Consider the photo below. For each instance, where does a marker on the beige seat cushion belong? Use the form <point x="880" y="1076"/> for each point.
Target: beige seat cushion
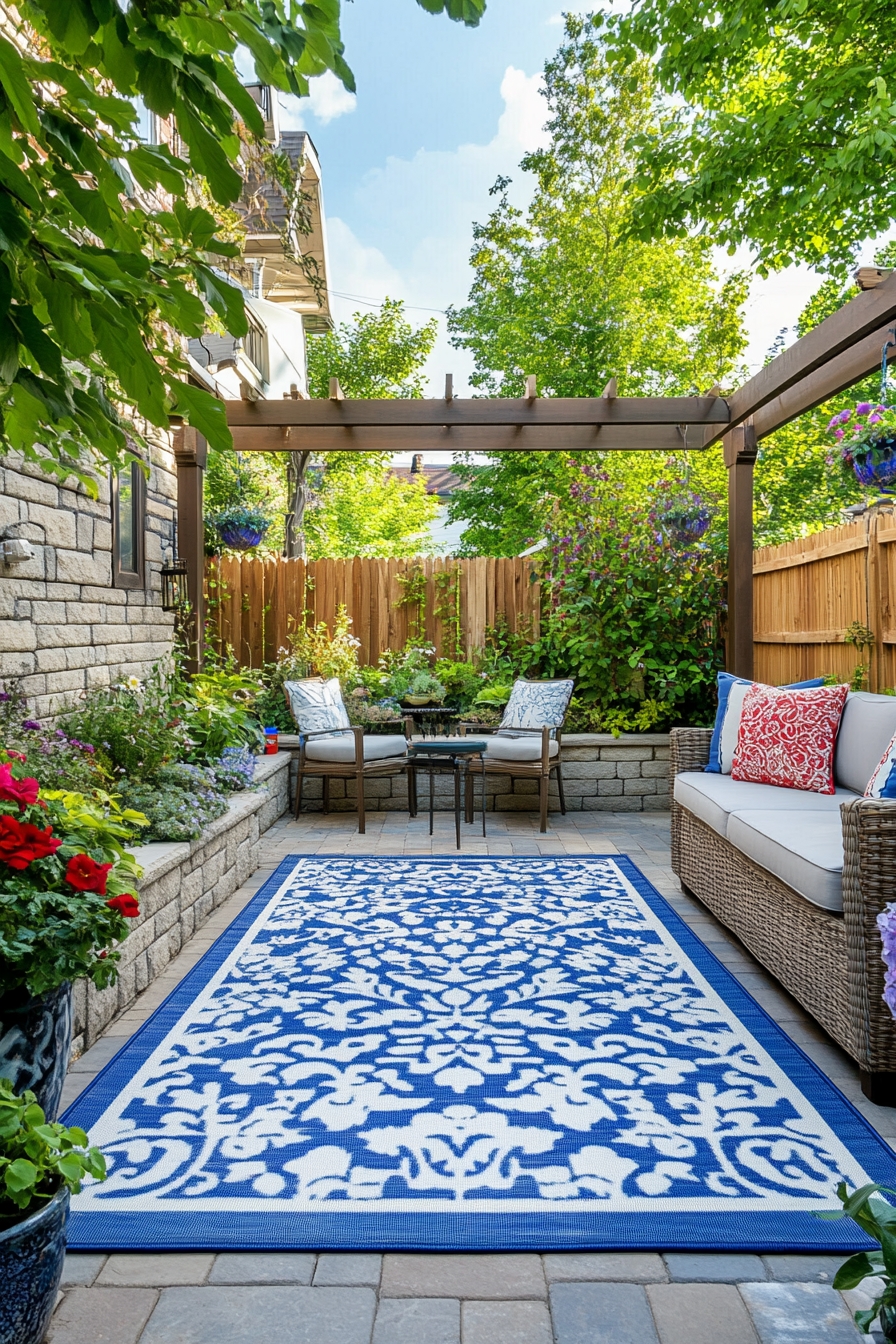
<point x="713" y="798"/>
<point x="341" y="749"/>
<point x="518" y="748"/>
<point x="803" y="849"/>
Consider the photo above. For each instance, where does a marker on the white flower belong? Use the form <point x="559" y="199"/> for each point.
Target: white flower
<point x="132" y="684"/>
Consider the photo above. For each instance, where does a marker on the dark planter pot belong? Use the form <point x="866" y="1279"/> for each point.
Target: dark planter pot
<point x="881" y="473"/>
<point x="240" y="536"/>
<point x="888" y="1322"/>
<point x="36" y="1042"/>
<point x="687" y="527"/>
<point x="31" y="1257"/>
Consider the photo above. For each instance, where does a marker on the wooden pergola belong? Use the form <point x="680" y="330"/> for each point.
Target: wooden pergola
<point x="841" y="350"/>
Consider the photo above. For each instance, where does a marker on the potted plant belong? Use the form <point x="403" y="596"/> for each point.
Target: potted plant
<point x="686" y="518"/>
<point x="877" y="1218"/>
<point x="241" y="526"/>
<point x="424" y="689"/>
<point x="41" y="1164"/>
<point x="867" y="438"/>
<point x="67" y="891"/>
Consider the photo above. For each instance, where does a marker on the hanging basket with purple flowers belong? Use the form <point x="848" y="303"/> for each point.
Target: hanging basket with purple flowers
<point x="867" y="437"/>
<point x="241" y="527"/>
<point x="686" y="521"/>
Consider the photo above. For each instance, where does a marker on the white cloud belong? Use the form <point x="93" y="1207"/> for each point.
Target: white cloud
<point x="327" y="100"/>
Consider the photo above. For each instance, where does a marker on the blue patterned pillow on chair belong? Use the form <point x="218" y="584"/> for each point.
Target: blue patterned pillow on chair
<point x="316" y="704"/>
<point x="537" y="704"/>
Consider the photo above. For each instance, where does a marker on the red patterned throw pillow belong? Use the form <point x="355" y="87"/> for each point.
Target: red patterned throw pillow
<point x="787" y="737"/>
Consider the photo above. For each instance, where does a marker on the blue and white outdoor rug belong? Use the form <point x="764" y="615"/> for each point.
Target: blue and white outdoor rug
<point x="451" y="1053"/>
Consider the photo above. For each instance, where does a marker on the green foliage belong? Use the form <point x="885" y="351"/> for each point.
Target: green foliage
<point x="632" y="615"/>
<point x="179" y="803"/>
<point x="105" y="254"/>
<point x="398" y="670"/>
<point x="377" y="354"/>
<point x="36" y="1158"/>
<point x="564" y="293"/>
<point x="132" y="725"/>
<point x="779" y="130"/>
<point x="877" y="1219"/>
<point x="361" y="509"/>
<point x="462" y="680"/>
<point x="50" y="930"/>
<point x="217" y="712"/>
<point x="425" y="683"/>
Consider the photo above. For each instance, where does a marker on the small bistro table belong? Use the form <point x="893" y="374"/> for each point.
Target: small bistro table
<point x="440" y="756"/>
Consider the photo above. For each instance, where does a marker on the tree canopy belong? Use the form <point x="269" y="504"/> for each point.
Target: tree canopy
<point x="563" y="292"/>
<point x="106" y="244"/>
<point x="780" y="125"/>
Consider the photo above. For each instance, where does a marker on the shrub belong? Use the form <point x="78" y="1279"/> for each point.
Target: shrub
<point x="179" y="803"/>
<point x="36" y="1158"/>
<point x="217" y="712"/>
<point x="134" y="726"/>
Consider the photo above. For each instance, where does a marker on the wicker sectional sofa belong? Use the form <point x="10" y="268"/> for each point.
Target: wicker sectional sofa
<point x="800" y="878"/>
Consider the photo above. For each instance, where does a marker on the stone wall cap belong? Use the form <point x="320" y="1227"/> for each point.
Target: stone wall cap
<point x="609" y="740"/>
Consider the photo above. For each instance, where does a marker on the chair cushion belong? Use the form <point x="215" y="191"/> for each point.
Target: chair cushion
<point x="788" y="737"/>
<point x="713" y="798"/>
<point x="341" y="749"/>
<point x="537" y="704"/>
<point x="316" y="704"/>
<point x="728" y="712"/>
<point x="803" y="849"/>
<point x="518" y="748"/>
<point x="867" y="726"/>
<point x="882" y="783"/>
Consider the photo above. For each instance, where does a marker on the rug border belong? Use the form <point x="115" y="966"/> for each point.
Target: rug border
<point x="553" y="1231"/>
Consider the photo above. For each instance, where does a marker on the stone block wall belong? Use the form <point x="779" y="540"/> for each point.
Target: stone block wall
<point x="181" y="885"/>
<point x="63" y="626"/>
<point x="601" y="773"/>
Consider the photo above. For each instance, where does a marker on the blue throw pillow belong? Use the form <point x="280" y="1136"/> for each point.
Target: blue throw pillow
<point x="725" y="681"/>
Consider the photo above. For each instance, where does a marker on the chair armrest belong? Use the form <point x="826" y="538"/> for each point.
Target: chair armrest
<point x="689" y="749"/>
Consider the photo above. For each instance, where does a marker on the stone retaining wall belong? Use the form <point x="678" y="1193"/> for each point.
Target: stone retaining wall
<point x="182" y="884"/>
<point x="601" y="773"/>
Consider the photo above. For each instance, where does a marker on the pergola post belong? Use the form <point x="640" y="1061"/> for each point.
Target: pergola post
<point x="740" y="454"/>
<point x="191" y="455"/>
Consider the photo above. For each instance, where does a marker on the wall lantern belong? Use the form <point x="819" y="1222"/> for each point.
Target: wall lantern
<point x="175" y="596"/>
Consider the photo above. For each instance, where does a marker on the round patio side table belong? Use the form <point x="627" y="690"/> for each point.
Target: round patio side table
<point x="441" y="757"/>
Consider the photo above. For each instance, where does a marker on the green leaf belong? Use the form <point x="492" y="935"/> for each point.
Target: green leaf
<point x="20" y="1174"/>
<point x="17" y="89"/>
<point x="225" y="299"/>
<point x="208" y="158"/>
<point x="204" y="412"/>
<point x="853" y="1271"/>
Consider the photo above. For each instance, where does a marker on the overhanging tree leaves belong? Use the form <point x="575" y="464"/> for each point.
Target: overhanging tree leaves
<point x="97" y="278"/>
<point x="781" y="127"/>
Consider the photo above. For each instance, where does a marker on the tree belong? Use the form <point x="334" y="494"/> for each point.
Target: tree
<point x="563" y="292"/>
<point x="354" y="507"/>
<point x="780" y="130"/>
<point x="105" y="250"/>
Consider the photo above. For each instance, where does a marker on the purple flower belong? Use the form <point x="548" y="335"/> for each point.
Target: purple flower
<point x="844" y="416"/>
<point x="32" y="725"/>
<point x="89" y="748"/>
<point x="874" y="419"/>
<point x="60" y="734"/>
<point x="4" y="696"/>
<point x="839" y="433"/>
<point x="863" y="408"/>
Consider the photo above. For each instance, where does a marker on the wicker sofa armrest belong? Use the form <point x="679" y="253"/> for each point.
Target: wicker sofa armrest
<point x="689" y="749"/>
<point x="869" y="882"/>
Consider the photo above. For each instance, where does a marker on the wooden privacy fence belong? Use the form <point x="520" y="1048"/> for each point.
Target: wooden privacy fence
<point x="255" y="604"/>
<point x="806" y="593"/>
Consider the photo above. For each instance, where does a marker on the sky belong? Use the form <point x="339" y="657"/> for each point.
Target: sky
<point x="442" y="110"/>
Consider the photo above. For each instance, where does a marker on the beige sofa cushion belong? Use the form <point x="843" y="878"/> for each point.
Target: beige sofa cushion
<point x="713" y="798"/>
<point x="866" y="729"/>
<point x="340" y="749"/>
<point x="802" y="849"/>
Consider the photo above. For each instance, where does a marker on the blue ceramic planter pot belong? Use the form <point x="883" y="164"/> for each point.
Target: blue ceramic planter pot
<point x="881" y="473"/>
<point x="240" y="536"/>
<point x="36" y="1042"/>
<point x="32" y="1253"/>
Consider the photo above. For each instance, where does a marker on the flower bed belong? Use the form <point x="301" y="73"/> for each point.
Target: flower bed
<point x="182" y="884"/>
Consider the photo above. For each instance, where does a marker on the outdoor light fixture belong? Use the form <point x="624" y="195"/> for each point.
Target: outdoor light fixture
<point x="175" y="596"/>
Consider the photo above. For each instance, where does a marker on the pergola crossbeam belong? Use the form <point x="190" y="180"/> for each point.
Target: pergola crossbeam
<point x="461" y="439"/>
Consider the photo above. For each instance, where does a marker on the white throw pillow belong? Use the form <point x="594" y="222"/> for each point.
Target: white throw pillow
<point x="731" y="723"/>
<point x="537" y="704"/>
<point x="317" y="705"/>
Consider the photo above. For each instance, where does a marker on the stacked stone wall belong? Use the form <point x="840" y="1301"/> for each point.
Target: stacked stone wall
<point x="63" y="626"/>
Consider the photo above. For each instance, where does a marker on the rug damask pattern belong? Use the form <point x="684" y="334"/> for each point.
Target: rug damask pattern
<point x="454" y="1053"/>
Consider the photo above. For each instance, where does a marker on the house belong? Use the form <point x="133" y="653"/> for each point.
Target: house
<point x="444" y="536"/>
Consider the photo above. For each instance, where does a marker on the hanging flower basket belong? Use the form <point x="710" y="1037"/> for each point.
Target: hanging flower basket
<point x="867" y="438"/>
<point x="241" y="528"/>
<point x="687" y="524"/>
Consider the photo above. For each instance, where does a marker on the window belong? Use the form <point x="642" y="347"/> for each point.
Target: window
<point x="147" y="123"/>
<point x="255" y="346"/>
<point x="128" y="517"/>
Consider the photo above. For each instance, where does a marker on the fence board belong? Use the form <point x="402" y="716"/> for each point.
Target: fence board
<point x="806" y="593"/>
<point x="259" y="603"/>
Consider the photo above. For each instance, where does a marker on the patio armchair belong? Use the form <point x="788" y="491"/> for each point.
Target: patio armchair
<point x="330" y="747"/>
<point x="527" y="743"/>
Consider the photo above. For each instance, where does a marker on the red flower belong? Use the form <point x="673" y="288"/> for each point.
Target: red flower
<point x="19" y="791"/>
<point x="84" y="874"/>
<point x="125" y="905"/>
<point x="21" y="843"/>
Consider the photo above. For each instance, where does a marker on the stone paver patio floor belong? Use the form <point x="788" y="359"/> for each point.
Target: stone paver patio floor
<point x="568" y="1298"/>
